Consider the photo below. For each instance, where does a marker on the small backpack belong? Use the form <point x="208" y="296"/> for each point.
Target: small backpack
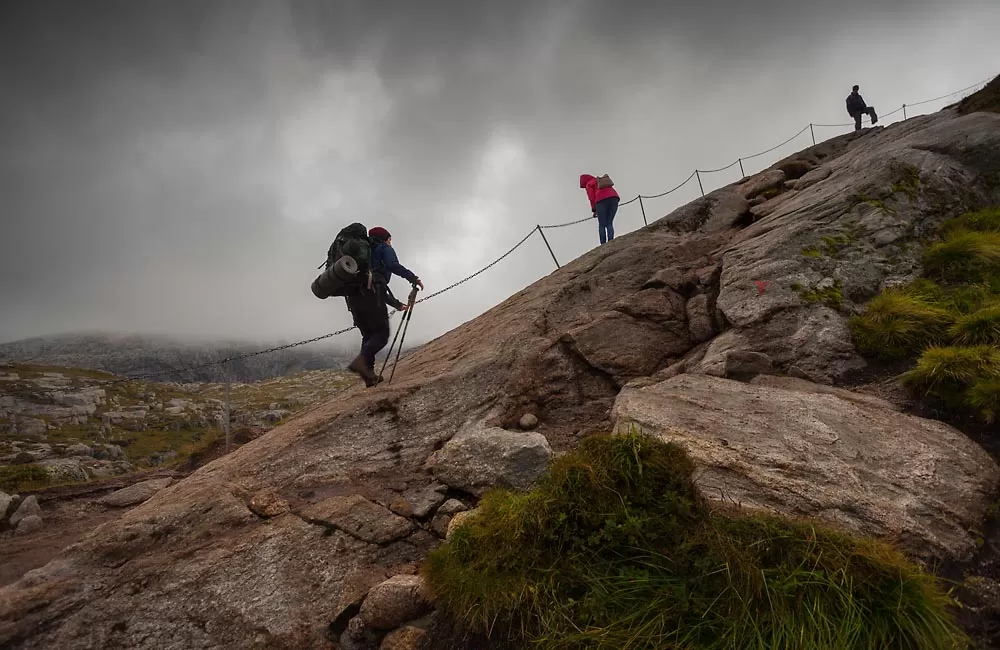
<point x="604" y="181"/>
<point x="347" y="269"/>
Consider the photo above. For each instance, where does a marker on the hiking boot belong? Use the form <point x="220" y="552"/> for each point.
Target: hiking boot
<point x="376" y="382"/>
<point x="360" y="367"/>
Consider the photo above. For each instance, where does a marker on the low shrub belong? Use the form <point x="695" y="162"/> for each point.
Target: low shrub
<point x="616" y="549"/>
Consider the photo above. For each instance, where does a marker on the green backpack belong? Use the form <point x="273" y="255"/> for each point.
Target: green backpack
<point x="348" y="264"/>
<point x="353" y="241"/>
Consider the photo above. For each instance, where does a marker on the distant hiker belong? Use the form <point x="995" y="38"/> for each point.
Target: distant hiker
<point x="856" y="107"/>
<point x="603" y="203"/>
<point x="368" y="306"/>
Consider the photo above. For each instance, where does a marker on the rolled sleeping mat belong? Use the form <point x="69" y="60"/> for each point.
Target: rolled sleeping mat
<point x="333" y="279"/>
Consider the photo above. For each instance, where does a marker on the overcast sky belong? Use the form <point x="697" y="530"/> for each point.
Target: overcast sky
<point x="180" y="167"/>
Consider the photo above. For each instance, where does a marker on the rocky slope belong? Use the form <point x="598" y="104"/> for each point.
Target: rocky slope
<point x="60" y="425"/>
<point x="131" y="355"/>
<point x="276" y="544"/>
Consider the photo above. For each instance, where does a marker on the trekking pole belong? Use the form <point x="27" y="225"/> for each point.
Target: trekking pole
<point x="411" y="300"/>
<point x="389" y="353"/>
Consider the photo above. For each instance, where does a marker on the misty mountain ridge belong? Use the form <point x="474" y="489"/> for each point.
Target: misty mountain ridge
<point x="139" y="354"/>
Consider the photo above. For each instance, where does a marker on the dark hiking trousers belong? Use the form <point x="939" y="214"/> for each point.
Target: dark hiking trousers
<point x="371" y="316"/>
<point x="606" y="209"/>
<point x="870" y="112"/>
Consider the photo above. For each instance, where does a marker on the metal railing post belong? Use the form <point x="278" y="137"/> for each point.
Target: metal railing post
<point x="743" y="174"/>
<point x="904" y="111"/>
<point x="227" y="416"/>
<point x="545" y="239"/>
<point x="643" y="208"/>
<point x="812" y="133"/>
<point x="700" y="186"/>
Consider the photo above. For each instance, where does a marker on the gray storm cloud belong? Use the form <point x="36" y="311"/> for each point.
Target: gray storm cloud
<point x="181" y="167"/>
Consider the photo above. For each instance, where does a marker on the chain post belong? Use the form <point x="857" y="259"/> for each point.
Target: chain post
<point x="226" y="421"/>
<point x="700" y="186"/>
<point x="545" y="239"/>
<point x="643" y="208"/>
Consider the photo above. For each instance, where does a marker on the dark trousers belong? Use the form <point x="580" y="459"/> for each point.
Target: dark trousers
<point x="870" y="112"/>
<point x="606" y="210"/>
<point x="371" y="316"/>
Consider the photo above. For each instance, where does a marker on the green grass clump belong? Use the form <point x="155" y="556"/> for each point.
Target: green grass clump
<point x="950" y="321"/>
<point x="947" y="372"/>
<point x="966" y="255"/>
<point x="17" y="478"/>
<point x="899" y="322"/>
<point x="987" y="220"/>
<point x="616" y="549"/>
<point x="984" y="397"/>
<point x="982" y="327"/>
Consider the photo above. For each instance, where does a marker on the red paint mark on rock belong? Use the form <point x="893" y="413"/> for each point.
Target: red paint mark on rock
<point x="761" y="284"/>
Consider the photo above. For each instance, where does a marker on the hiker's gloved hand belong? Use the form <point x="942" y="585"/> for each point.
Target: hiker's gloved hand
<point x="402" y="308"/>
<point x="418" y="283"/>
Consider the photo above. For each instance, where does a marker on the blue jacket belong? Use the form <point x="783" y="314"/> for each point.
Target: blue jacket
<point x="385" y="263"/>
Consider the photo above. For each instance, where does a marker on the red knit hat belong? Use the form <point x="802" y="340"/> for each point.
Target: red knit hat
<point x="379" y="233"/>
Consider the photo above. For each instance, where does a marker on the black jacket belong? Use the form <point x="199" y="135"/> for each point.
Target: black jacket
<point x="855" y="104"/>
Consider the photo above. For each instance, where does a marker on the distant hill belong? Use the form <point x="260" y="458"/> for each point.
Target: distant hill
<point x="129" y="355"/>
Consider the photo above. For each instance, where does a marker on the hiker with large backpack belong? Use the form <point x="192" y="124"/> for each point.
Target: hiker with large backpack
<point x="603" y="203"/>
<point x="358" y="267"/>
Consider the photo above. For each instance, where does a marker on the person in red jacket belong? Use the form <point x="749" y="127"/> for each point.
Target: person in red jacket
<point x="603" y="203"/>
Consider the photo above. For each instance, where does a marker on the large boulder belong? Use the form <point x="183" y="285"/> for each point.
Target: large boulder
<point x="475" y="461"/>
<point x="396" y="601"/>
<point x="852" y="462"/>
<point x="29" y="508"/>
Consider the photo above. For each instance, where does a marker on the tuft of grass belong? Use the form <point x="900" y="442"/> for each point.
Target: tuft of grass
<point x="898" y="323"/>
<point x="986" y="220"/>
<point x="984" y="397"/>
<point x="945" y="373"/>
<point x="615" y="548"/>
<point x="978" y="328"/>
<point x="966" y="255"/>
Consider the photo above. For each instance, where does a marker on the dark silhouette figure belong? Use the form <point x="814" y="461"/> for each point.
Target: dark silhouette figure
<point x="856" y="107"/>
